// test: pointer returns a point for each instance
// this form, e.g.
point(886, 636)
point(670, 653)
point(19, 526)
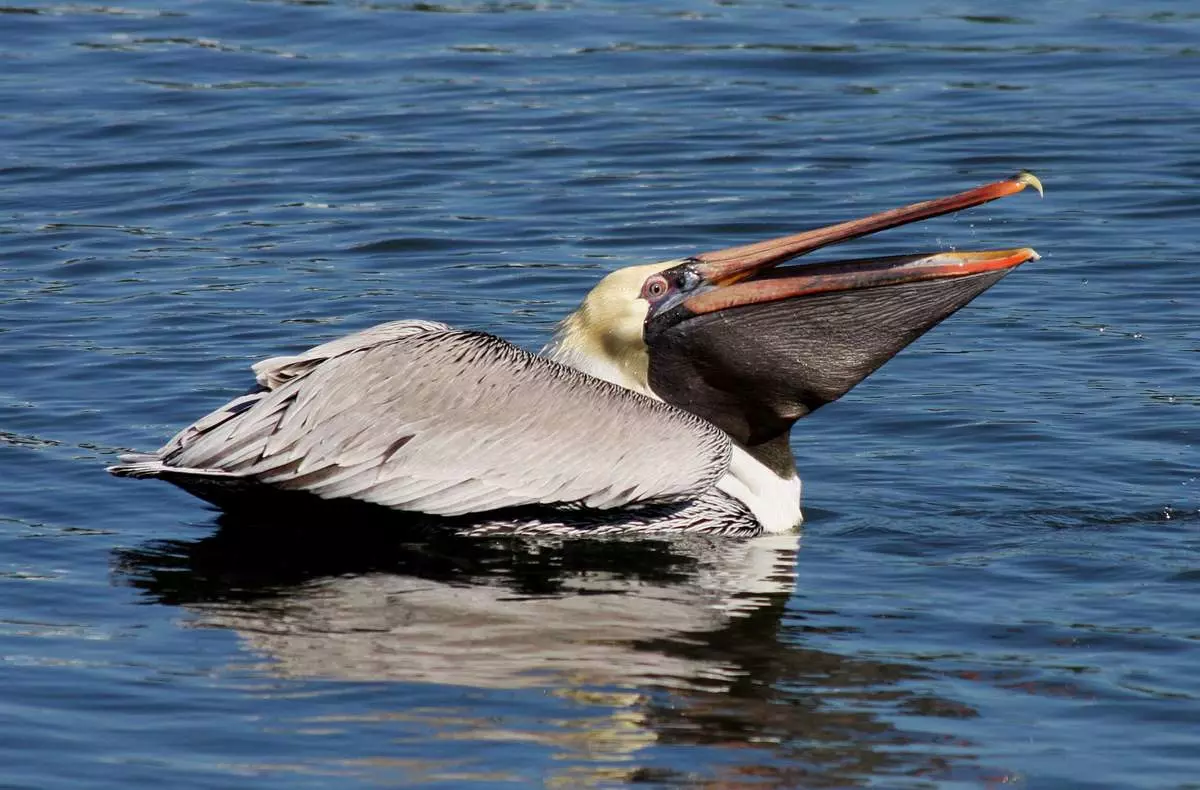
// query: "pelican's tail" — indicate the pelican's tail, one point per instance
point(140, 465)
point(143, 465)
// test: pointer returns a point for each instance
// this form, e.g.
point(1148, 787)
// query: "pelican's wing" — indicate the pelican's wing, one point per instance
point(422, 417)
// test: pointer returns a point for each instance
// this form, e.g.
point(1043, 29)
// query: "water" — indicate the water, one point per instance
point(997, 579)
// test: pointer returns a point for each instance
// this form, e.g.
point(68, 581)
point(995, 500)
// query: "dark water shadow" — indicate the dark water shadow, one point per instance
point(685, 639)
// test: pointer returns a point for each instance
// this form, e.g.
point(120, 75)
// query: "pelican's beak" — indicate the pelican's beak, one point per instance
point(752, 347)
point(734, 265)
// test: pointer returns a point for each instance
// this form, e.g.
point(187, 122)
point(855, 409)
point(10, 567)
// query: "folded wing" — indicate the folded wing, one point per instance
point(421, 417)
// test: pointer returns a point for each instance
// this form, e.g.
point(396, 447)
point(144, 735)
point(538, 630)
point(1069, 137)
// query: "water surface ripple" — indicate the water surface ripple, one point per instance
point(997, 581)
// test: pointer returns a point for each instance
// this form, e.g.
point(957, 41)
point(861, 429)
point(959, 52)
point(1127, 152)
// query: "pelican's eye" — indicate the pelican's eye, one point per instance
point(655, 288)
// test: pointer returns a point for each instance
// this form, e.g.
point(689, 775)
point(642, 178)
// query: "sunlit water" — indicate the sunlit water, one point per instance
point(997, 582)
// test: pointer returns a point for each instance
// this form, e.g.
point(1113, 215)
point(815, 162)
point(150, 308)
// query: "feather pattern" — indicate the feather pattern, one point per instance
point(421, 417)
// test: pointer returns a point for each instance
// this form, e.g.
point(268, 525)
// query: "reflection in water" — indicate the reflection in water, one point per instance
point(490, 613)
point(675, 642)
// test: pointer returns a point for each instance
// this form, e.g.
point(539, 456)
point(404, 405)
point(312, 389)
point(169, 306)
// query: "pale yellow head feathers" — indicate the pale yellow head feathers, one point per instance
point(604, 336)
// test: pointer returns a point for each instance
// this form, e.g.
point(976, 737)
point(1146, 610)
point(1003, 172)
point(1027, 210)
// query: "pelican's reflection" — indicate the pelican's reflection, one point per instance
point(675, 641)
point(368, 602)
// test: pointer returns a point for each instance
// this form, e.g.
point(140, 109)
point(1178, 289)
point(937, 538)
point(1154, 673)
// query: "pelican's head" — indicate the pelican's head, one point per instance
point(605, 337)
point(752, 348)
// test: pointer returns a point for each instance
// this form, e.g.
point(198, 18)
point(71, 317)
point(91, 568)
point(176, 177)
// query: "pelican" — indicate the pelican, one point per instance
point(663, 404)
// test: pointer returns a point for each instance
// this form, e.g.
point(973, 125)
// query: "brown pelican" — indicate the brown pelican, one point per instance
point(664, 403)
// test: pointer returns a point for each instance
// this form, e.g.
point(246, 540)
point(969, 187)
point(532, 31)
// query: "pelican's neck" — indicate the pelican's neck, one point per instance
point(575, 349)
point(764, 479)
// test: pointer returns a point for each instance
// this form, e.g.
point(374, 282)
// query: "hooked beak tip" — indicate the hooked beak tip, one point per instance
point(1030, 180)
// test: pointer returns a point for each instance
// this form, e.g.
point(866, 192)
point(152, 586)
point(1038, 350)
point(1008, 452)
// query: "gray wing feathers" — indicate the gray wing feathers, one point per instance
point(275, 371)
point(421, 417)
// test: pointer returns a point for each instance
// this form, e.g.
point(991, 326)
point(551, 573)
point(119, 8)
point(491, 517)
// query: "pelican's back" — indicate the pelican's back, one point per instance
point(424, 418)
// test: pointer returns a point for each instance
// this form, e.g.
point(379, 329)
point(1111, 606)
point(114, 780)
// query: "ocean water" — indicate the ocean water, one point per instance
point(996, 583)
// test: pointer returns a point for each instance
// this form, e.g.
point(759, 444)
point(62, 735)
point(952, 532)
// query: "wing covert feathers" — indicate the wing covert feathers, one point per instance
point(421, 417)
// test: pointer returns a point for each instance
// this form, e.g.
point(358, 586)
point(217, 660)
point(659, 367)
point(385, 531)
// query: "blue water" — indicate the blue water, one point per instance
point(997, 579)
